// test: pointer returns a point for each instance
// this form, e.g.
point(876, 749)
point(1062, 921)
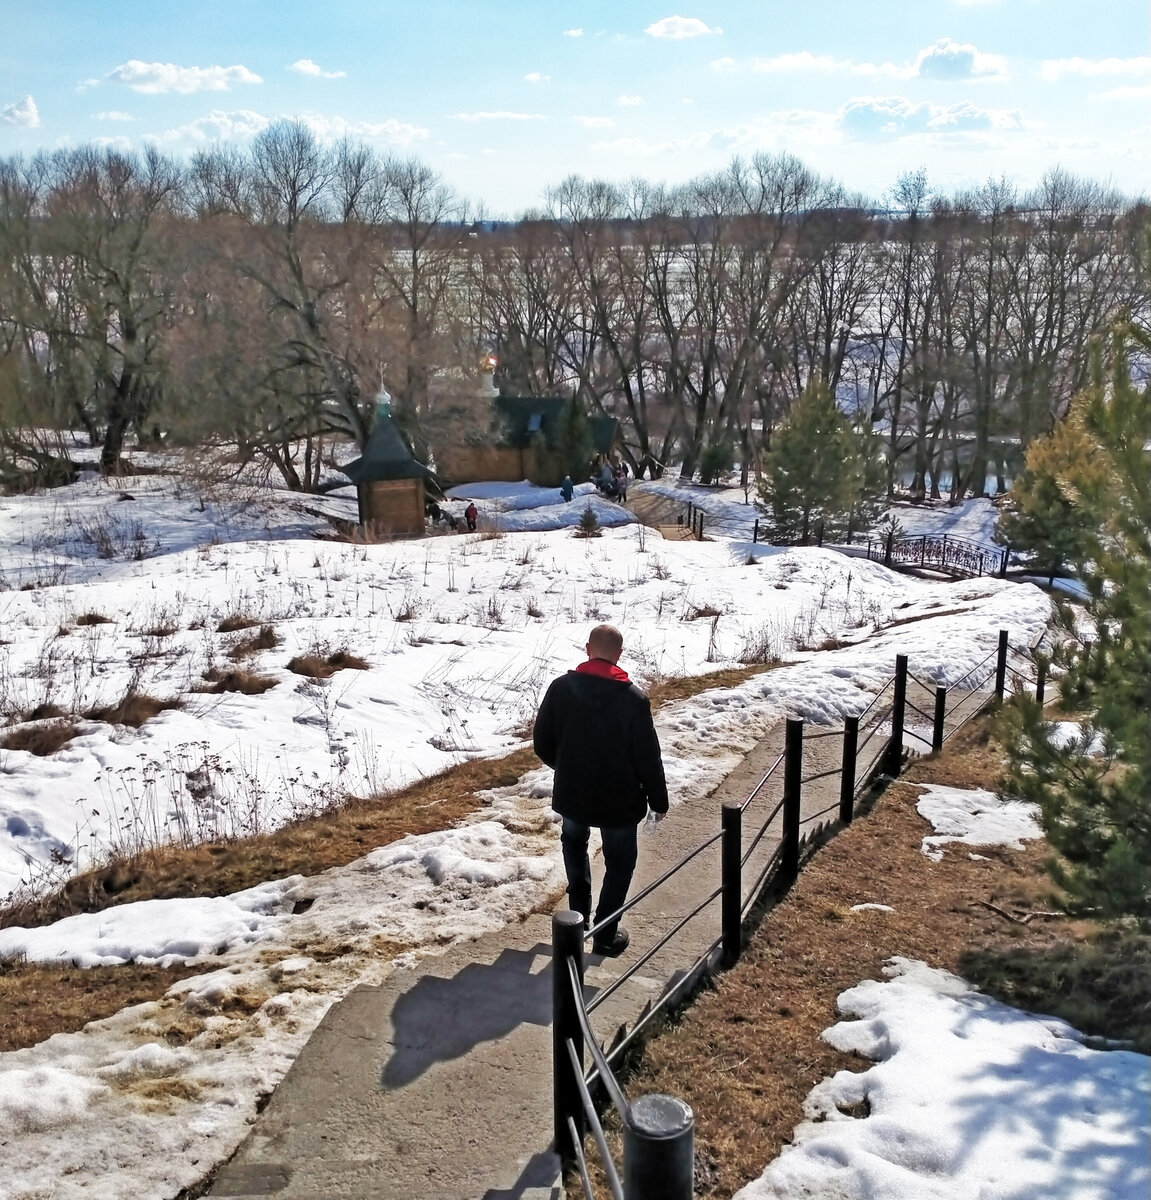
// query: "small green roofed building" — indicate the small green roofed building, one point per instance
point(389, 481)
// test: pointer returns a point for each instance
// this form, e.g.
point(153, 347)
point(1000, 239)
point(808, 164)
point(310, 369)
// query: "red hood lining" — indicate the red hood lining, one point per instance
point(604, 669)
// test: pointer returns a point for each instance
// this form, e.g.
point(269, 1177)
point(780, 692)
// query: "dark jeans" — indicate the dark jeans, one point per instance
point(619, 855)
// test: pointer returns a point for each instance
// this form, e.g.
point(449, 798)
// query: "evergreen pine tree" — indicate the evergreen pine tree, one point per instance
point(1055, 496)
point(1097, 810)
point(575, 444)
point(819, 469)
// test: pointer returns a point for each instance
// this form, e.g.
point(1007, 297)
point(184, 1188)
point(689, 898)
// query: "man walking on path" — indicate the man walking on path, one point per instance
point(595, 729)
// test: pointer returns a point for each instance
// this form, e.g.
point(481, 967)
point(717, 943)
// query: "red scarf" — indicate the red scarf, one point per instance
point(604, 669)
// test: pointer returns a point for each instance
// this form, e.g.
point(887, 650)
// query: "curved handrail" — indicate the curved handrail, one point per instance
point(590, 1113)
point(755, 790)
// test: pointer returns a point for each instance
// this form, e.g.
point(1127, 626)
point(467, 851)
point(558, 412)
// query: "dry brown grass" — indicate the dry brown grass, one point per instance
point(93, 618)
point(133, 709)
point(38, 1001)
point(237, 680)
point(236, 622)
point(316, 666)
point(266, 639)
point(747, 1052)
point(40, 740)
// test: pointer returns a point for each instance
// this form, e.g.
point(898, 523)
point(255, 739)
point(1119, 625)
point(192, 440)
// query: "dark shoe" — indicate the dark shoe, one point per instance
point(611, 947)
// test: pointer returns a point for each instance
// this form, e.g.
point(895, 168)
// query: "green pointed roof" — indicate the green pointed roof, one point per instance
point(386, 456)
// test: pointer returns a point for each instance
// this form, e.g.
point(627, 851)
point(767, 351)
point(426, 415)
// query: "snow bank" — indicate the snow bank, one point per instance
point(968, 1100)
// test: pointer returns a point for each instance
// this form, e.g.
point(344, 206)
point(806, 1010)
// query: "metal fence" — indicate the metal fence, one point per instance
point(658, 1130)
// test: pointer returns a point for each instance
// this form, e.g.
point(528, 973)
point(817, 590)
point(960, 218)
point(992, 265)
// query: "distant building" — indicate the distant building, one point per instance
point(389, 481)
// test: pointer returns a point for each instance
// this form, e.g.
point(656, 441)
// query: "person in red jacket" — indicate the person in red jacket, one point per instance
point(470, 515)
point(595, 729)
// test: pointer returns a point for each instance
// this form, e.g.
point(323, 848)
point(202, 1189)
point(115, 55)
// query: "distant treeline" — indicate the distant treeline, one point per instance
point(262, 297)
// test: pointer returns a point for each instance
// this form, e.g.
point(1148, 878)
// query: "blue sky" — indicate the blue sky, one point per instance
point(506, 98)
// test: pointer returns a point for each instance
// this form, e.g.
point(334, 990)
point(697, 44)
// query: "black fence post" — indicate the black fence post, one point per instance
point(659, 1149)
point(1001, 665)
point(1003, 561)
point(847, 769)
point(819, 534)
point(922, 549)
point(1040, 681)
point(887, 548)
point(940, 716)
point(755, 532)
point(792, 775)
point(731, 918)
point(893, 755)
point(567, 945)
point(701, 525)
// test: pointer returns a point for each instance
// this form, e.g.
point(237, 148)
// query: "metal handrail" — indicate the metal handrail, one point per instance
point(581, 1159)
point(630, 904)
point(620, 980)
point(760, 835)
point(975, 668)
point(909, 732)
point(825, 733)
point(969, 693)
point(875, 699)
point(915, 708)
point(590, 1113)
point(755, 790)
point(610, 1082)
point(822, 775)
point(923, 683)
point(863, 776)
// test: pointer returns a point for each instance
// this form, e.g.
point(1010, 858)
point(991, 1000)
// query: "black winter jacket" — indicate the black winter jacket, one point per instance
point(598, 735)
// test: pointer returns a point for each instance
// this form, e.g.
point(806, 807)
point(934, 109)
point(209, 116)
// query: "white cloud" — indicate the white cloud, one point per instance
point(113, 115)
point(536, 77)
point(626, 101)
point(215, 127)
point(305, 66)
point(156, 78)
point(1054, 69)
point(725, 65)
point(391, 131)
point(497, 116)
point(677, 28)
point(573, 33)
point(23, 113)
point(943, 60)
point(880, 117)
point(949, 60)
point(1140, 91)
point(118, 142)
point(630, 147)
point(595, 122)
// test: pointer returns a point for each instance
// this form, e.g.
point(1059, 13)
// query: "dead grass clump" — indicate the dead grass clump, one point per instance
point(237, 680)
point(93, 618)
point(316, 666)
point(266, 639)
point(160, 631)
point(236, 622)
point(45, 712)
point(40, 740)
point(133, 709)
point(698, 612)
point(39, 1000)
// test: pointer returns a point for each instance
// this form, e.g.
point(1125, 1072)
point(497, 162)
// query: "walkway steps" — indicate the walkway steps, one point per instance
point(436, 1085)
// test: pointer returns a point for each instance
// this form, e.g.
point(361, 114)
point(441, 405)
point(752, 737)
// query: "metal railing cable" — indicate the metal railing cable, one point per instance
point(821, 775)
point(581, 1158)
point(970, 692)
point(611, 918)
point(972, 671)
point(916, 709)
point(876, 698)
point(589, 1105)
point(620, 980)
point(863, 776)
point(760, 883)
point(823, 733)
point(923, 683)
point(755, 790)
point(665, 1001)
point(583, 1010)
point(909, 732)
point(760, 835)
point(822, 813)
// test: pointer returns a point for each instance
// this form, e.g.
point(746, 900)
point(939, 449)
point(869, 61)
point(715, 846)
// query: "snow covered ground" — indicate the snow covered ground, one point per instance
point(461, 633)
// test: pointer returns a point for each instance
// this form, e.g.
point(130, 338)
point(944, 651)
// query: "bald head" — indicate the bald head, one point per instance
point(605, 641)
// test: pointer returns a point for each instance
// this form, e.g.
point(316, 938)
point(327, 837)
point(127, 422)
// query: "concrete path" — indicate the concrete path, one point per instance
point(436, 1085)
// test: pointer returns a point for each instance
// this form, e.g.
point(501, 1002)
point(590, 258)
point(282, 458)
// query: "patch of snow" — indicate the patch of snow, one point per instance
point(976, 817)
point(872, 908)
point(968, 1098)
